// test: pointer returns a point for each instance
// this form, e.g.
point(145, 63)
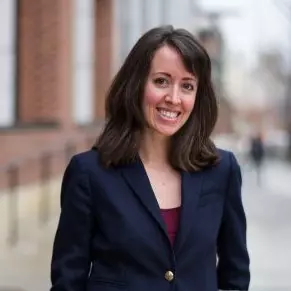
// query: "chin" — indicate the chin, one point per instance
point(167, 132)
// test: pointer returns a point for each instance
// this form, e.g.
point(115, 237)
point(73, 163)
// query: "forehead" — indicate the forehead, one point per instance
point(168, 59)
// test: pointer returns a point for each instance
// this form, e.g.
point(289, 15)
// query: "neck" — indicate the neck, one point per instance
point(154, 149)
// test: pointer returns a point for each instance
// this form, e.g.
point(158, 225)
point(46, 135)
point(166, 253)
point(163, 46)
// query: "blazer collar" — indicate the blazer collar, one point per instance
point(137, 179)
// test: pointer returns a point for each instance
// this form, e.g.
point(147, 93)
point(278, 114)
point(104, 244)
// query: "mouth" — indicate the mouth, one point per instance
point(168, 114)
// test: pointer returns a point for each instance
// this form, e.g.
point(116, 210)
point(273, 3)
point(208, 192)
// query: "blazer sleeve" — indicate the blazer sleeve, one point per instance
point(233, 260)
point(70, 263)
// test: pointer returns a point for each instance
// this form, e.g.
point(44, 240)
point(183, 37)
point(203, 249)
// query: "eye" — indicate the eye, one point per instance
point(188, 86)
point(162, 82)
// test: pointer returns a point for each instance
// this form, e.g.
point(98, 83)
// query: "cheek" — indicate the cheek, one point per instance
point(152, 96)
point(188, 105)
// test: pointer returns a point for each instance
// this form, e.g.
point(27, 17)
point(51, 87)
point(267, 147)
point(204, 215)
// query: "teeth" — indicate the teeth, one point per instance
point(168, 114)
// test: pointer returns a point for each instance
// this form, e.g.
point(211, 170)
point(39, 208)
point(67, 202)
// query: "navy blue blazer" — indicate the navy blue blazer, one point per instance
point(111, 235)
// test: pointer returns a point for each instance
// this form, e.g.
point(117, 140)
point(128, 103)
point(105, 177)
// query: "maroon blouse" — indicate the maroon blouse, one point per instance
point(171, 218)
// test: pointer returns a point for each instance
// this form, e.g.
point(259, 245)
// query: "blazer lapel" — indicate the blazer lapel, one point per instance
point(191, 190)
point(137, 179)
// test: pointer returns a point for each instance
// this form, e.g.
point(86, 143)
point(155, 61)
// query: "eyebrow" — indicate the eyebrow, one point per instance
point(169, 75)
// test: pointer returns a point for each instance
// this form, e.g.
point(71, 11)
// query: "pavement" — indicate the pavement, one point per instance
point(268, 209)
point(25, 267)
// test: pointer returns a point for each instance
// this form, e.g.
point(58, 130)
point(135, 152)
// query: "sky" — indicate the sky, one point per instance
point(253, 25)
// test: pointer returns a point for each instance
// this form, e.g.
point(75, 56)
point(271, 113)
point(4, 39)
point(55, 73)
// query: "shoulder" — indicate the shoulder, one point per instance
point(230, 166)
point(227, 159)
point(86, 161)
point(89, 163)
point(76, 182)
point(225, 173)
point(79, 166)
point(226, 165)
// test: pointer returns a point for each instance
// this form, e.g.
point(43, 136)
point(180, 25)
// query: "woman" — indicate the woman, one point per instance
point(154, 205)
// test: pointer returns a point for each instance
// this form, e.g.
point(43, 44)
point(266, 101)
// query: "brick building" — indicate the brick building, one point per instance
point(56, 63)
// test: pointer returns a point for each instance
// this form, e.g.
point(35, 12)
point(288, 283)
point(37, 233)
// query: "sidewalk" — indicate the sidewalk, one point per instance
point(276, 176)
point(268, 210)
point(269, 238)
point(29, 263)
point(25, 267)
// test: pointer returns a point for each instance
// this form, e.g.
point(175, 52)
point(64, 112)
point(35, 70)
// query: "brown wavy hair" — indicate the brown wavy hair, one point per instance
point(191, 147)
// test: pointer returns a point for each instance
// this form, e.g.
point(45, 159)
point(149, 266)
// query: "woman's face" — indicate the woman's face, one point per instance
point(169, 94)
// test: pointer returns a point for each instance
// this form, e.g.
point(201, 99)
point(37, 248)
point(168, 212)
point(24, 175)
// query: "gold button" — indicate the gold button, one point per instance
point(169, 276)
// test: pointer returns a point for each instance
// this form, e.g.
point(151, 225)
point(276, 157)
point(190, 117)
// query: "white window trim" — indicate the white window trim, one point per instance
point(8, 16)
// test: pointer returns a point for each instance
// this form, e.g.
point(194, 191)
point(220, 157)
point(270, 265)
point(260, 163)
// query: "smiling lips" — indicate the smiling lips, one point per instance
point(168, 114)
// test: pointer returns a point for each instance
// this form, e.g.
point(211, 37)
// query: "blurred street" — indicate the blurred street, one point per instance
point(26, 268)
point(268, 211)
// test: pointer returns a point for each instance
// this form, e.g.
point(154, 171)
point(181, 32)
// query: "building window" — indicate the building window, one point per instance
point(83, 61)
point(7, 62)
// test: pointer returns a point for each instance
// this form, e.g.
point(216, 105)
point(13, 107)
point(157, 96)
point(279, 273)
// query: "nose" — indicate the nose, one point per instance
point(174, 96)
